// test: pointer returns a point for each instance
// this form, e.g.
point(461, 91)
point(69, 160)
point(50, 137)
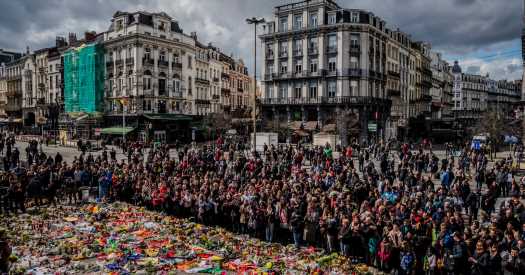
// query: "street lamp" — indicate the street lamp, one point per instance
point(255, 21)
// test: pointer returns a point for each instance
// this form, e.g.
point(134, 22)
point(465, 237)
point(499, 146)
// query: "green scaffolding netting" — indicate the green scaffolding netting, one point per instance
point(84, 79)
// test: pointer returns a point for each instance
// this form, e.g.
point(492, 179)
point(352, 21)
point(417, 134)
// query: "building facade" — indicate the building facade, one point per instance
point(323, 62)
point(13, 78)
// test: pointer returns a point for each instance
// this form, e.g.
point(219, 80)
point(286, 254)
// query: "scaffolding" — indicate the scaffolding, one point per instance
point(84, 79)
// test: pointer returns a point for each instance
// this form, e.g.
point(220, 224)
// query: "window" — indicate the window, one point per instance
point(147, 83)
point(297, 22)
point(332, 43)
point(354, 62)
point(269, 91)
point(283, 48)
point(332, 64)
point(269, 68)
point(50, 82)
point(297, 47)
point(353, 88)
point(119, 25)
point(147, 53)
point(269, 49)
point(283, 91)
point(313, 19)
point(283, 24)
point(312, 91)
point(354, 17)
point(332, 88)
point(331, 19)
point(189, 62)
point(312, 44)
point(162, 56)
point(284, 67)
point(313, 66)
point(297, 92)
point(298, 66)
point(354, 40)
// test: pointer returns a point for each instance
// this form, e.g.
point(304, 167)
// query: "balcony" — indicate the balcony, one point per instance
point(268, 77)
point(12, 108)
point(225, 91)
point(331, 73)
point(240, 90)
point(393, 92)
point(331, 49)
point(41, 101)
point(225, 75)
point(119, 62)
point(109, 64)
point(148, 61)
point(163, 63)
point(313, 51)
point(269, 55)
point(298, 53)
point(215, 79)
point(42, 70)
point(41, 86)
point(355, 72)
point(355, 49)
point(215, 97)
point(283, 54)
point(202, 81)
point(285, 75)
point(176, 65)
point(347, 100)
point(177, 94)
point(130, 61)
point(12, 93)
point(393, 74)
point(202, 101)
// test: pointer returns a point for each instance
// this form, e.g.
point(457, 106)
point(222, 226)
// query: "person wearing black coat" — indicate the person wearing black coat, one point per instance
point(480, 260)
point(515, 264)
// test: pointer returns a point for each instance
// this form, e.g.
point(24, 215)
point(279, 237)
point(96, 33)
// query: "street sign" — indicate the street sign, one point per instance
point(372, 127)
point(476, 145)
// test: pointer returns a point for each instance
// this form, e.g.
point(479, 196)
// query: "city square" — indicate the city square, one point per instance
point(317, 137)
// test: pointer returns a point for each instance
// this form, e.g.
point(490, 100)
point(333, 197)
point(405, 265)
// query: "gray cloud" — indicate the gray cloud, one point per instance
point(473, 69)
point(513, 68)
point(456, 27)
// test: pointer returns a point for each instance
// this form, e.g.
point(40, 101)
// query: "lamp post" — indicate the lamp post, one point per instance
point(255, 21)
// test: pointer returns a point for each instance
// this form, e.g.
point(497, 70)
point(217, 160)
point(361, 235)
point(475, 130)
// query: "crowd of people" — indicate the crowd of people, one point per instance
point(398, 209)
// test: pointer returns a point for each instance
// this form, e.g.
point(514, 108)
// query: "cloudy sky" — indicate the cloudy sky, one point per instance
point(482, 34)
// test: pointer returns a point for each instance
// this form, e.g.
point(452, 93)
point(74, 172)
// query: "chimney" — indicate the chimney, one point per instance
point(194, 35)
point(27, 50)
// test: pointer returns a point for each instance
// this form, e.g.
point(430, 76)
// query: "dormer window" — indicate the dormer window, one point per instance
point(119, 24)
point(162, 26)
point(331, 19)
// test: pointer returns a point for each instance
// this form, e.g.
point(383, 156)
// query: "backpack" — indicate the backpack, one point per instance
point(407, 260)
point(372, 245)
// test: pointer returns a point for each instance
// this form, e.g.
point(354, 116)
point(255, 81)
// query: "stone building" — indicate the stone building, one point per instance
point(321, 63)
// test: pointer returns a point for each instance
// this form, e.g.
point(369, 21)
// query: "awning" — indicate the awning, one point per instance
point(170, 117)
point(117, 130)
point(301, 133)
point(308, 125)
point(329, 128)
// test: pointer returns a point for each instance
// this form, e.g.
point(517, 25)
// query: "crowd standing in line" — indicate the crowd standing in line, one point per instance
point(391, 216)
